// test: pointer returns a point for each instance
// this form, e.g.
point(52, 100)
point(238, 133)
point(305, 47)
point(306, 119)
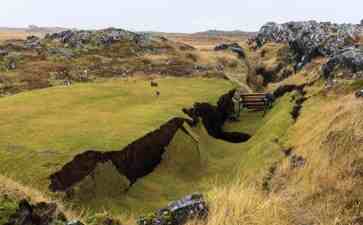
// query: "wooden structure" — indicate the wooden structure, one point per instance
point(255, 101)
point(258, 102)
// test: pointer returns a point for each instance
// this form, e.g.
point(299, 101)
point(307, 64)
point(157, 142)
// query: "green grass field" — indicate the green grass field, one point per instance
point(42, 130)
point(199, 162)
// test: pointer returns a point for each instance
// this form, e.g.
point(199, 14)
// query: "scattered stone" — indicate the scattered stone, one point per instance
point(359, 94)
point(32, 42)
point(178, 212)
point(11, 65)
point(296, 161)
point(235, 47)
point(309, 39)
point(224, 46)
point(3, 52)
point(75, 222)
point(109, 221)
point(347, 59)
point(67, 53)
point(100, 38)
point(39, 214)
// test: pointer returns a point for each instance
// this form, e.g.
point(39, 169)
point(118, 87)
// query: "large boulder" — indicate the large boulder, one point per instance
point(310, 38)
point(348, 59)
point(178, 212)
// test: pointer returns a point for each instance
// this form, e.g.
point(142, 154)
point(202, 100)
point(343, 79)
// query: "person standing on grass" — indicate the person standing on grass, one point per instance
point(236, 105)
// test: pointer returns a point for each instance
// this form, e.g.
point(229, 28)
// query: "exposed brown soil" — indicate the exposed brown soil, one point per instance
point(135, 161)
point(142, 156)
point(213, 118)
point(282, 90)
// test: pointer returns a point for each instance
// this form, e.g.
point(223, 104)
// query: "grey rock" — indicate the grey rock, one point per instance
point(296, 161)
point(74, 222)
point(349, 59)
point(178, 212)
point(99, 38)
point(65, 52)
point(359, 94)
point(32, 42)
point(310, 38)
point(11, 65)
point(39, 214)
point(3, 52)
point(235, 47)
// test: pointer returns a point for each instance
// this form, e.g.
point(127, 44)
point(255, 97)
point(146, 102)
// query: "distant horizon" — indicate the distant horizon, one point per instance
point(174, 16)
point(147, 31)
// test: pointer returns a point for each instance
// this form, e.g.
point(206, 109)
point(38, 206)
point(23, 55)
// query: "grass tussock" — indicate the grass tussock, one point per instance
point(240, 204)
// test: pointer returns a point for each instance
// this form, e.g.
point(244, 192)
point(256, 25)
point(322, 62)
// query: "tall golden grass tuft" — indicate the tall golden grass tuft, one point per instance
point(239, 204)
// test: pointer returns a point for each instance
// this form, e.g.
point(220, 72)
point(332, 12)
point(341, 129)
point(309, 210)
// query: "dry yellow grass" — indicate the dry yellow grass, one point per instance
point(243, 205)
point(9, 35)
point(203, 42)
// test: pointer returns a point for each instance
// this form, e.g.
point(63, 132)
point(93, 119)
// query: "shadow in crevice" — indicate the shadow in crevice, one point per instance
point(214, 117)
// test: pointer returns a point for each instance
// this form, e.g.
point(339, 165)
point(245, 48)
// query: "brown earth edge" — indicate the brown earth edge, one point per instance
point(142, 156)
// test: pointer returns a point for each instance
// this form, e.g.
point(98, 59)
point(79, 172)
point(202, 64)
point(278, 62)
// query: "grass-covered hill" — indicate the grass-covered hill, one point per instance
point(86, 56)
point(302, 164)
point(52, 125)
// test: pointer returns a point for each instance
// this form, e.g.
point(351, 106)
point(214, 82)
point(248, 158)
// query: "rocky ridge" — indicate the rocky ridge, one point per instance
point(310, 39)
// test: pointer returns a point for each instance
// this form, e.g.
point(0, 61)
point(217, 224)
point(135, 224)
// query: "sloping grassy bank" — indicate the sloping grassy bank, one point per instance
point(326, 189)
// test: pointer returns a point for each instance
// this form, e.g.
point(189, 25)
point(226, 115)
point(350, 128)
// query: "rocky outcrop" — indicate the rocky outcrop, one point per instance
point(32, 42)
point(235, 47)
point(348, 59)
point(135, 161)
point(309, 39)
point(101, 38)
point(38, 214)
point(178, 212)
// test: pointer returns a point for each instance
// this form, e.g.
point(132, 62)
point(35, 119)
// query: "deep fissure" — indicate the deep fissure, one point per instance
point(142, 156)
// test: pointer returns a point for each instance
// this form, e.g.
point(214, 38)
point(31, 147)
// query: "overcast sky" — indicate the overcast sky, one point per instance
point(174, 15)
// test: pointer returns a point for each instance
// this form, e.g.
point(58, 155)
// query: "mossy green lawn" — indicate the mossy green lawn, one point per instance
point(7, 208)
point(197, 162)
point(44, 129)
